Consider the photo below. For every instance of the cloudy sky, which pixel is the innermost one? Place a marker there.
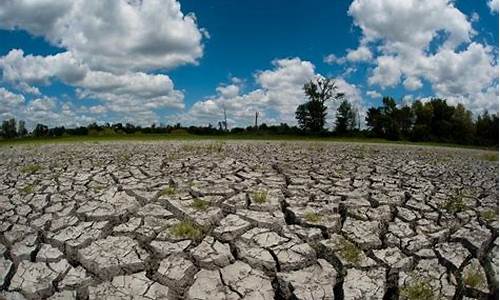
(71, 62)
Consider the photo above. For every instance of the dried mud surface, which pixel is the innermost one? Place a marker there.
(247, 220)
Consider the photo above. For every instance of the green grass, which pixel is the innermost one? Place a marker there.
(489, 215)
(312, 217)
(168, 191)
(186, 229)
(31, 168)
(489, 157)
(454, 204)
(259, 197)
(125, 157)
(473, 278)
(190, 137)
(419, 290)
(200, 204)
(350, 252)
(27, 189)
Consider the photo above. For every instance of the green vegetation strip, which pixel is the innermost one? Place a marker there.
(222, 137)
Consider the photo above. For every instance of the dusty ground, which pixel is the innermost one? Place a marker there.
(247, 220)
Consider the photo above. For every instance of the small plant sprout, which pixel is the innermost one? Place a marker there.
(259, 197)
(350, 252)
(27, 189)
(473, 278)
(186, 229)
(418, 290)
(489, 215)
(200, 204)
(454, 204)
(168, 191)
(31, 168)
(217, 147)
(312, 217)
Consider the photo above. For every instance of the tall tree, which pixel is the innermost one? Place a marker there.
(441, 124)
(390, 119)
(9, 128)
(462, 125)
(421, 130)
(487, 129)
(40, 130)
(21, 128)
(406, 120)
(374, 121)
(312, 114)
(345, 119)
(302, 116)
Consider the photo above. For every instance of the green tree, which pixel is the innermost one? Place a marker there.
(40, 130)
(9, 128)
(406, 120)
(312, 114)
(390, 119)
(441, 123)
(302, 116)
(345, 119)
(421, 130)
(462, 125)
(374, 121)
(487, 129)
(21, 128)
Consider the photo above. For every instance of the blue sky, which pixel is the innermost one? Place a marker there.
(162, 61)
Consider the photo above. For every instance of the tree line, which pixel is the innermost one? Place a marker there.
(422, 121)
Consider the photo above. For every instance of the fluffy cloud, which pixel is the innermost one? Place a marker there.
(387, 73)
(412, 83)
(360, 54)
(129, 92)
(373, 94)
(112, 48)
(422, 20)
(493, 5)
(111, 35)
(456, 68)
(9, 101)
(333, 59)
(279, 92)
(228, 91)
(45, 110)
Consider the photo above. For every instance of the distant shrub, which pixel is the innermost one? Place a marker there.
(179, 132)
(489, 157)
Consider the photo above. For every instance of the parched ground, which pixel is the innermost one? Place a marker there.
(247, 220)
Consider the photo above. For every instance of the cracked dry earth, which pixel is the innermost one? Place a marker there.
(247, 220)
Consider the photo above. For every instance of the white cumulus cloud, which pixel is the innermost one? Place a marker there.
(279, 92)
(402, 33)
(493, 5)
(112, 35)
